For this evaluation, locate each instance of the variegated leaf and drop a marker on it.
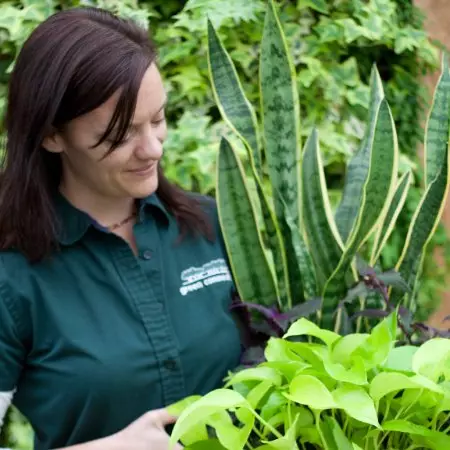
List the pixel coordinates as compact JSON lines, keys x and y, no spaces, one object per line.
{"x":230,"y":98}
{"x":251,"y":270}
{"x":436,"y":133}
{"x":395,"y":207}
{"x":322,"y":235}
{"x":280,"y":108}
{"x":358,"y":168}
{"x":423,"y":225}
{"x":383,"y":160}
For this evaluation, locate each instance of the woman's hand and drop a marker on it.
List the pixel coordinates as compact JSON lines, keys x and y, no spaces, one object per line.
{"x":146,"y":433}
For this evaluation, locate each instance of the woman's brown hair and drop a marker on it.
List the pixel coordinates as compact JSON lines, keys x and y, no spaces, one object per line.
{"x":71,"y":64}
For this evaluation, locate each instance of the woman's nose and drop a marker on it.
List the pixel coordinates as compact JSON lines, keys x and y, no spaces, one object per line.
{"x":150,"y":146}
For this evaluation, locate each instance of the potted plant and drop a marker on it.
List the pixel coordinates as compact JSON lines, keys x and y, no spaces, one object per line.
{"x":309,"y":282}
{"x":320,"y":390}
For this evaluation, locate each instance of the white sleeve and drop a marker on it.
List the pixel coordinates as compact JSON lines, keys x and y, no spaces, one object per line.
{"x":5,"y":403}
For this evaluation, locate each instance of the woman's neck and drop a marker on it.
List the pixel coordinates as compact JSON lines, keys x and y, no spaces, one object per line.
{"x":107,"y":211}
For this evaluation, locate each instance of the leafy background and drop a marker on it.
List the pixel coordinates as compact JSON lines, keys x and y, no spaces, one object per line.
{"x":334,"y":44}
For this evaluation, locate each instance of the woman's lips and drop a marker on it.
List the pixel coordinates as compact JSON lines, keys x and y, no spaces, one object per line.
{"x":143,"y":170}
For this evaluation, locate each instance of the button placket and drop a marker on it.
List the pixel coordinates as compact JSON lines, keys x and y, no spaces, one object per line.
{"x":147,"y":294}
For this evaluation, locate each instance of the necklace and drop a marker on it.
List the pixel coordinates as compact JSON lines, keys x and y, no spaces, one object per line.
{"x":122,"y":223}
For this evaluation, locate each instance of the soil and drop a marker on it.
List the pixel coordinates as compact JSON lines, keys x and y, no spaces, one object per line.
{"x":438,"y":27}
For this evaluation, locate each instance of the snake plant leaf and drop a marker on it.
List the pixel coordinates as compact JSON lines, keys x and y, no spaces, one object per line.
{"x":436,"y":133}
{"x":396,"y":206}
{"x":280,"y":118}
{"x":358,"y":168}
{"x":304,"y":260}
{"x":421,"y":230}
{"x":230,"y":98}
{"x":239,"y":114}
{"x":280,"y":115}
{"x":321,"y":232}
{"x":379,"y":186}
{"x":276,"y":245}
{"x":243,"y":242}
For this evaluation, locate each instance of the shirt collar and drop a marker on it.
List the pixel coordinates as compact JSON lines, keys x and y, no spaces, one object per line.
{"x":74,"y":223}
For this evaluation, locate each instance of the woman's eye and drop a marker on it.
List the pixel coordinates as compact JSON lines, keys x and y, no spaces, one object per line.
{"x":159,"y":121}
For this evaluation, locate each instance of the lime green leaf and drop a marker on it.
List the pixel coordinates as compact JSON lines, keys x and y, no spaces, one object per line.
{"x":279,"y":350}
{"x":286,"y":442}
{"x":437,"y":129}
{"x":400,"y":358}
{"x":215,"y":402}
{"x":207,"y":444}
{"x":287,"y":368}
{"x":355,"y":374}
{"x":177,"y":408}
{"x":333,"y":434}
{"x":254,"y":279}
{"x":321,"y":231}
{"x":436,"y":440}
{"x":230,"y":436}
{"x":432,"y":358}
{"x":386,"y":382}
{"x":257,"y":373}
{"x":280,"y":114}
{"x":356,"y":402}
{"x":198,"y":431}
{"x":376,"y":348}
{"x":308,"y":390}
{"x":272,"y":406}
{"x":305,"y":327}
{"x":235,"y":109}
{"x":346,"y":345}
{"x":255,"y":396}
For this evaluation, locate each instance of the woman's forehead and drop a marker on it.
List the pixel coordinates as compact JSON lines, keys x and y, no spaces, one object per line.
{"x":150,"y":100}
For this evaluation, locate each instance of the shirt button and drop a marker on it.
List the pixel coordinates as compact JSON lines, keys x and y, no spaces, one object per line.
{"x":147,"y":254}
{"x":170,"y":364}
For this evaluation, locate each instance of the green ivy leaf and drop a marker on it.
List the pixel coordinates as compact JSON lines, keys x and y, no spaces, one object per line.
{"x":316,"y":5}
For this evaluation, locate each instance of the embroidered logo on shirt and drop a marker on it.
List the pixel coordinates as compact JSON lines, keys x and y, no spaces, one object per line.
{"x":196,"y":278}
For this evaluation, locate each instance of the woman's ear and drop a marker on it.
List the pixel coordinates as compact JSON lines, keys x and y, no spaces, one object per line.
{"x":53,"y":143}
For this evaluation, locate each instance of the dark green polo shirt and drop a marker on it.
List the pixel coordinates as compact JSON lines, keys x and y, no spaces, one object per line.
{"x":94,"y":337}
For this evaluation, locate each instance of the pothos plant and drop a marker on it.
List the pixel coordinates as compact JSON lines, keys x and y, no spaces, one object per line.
{"x":320,"y":390}
{"x":286,"y":247}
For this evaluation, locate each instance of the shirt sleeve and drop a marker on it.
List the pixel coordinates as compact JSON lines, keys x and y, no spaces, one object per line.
{"x":12,"y":350}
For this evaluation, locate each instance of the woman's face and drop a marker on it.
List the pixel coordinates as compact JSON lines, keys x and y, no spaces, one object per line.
{"x":130,"y":170}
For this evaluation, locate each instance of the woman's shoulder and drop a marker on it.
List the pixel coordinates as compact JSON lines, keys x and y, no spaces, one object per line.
{"x":207,"y":202}
{"x":14,"y":276}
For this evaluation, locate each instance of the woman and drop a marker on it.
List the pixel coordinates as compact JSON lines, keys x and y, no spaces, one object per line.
{"x":114,"y":286}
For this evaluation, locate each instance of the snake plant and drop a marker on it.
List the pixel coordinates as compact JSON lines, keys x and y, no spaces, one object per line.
{"x":301,"y":249}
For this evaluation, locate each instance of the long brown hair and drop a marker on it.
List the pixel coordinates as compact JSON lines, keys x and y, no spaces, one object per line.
{"x":71,"y":64}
